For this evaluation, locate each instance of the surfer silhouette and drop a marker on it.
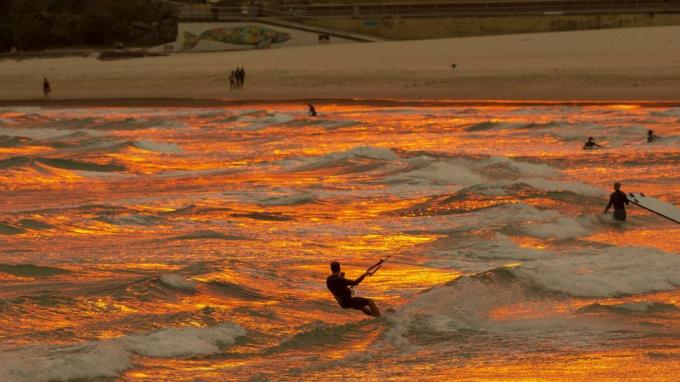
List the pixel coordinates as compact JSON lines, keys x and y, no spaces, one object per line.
{"x":651,"y":137}
{"x":590,"y":144}
{"x":618,"y":199}
{"x":312,"y":110}
{"x":339,"y":286}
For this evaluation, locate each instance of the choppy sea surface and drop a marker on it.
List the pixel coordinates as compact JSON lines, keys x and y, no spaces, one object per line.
{"x":192,"y":244}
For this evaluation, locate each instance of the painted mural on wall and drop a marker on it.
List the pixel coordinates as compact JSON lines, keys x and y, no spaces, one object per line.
{"x":258,"y":37}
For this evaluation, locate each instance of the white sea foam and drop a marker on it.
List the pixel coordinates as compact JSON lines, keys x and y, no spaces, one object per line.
{"x":177,"y":281}
{"x":500,"y":247}
{"x":181,"y":342}
{"x":468,"y":302}
{"x":167,"y":148}
{"x":526,"y":168}
{"x":556,"y":185}
{"x":606,"y":272}
{"x":257,"y":122}
{"x":378,"y":153}
{"x":47,"y":364}
{"x":37,"y":133}
{"x":463,"y":304}
{"x":109,"y":358}
{"x":564,"y":227}
{"x":441,"y":172}
{"x":288,"y":200}
{"x":359,"y":152}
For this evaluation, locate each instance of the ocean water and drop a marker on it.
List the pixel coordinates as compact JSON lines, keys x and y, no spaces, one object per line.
{"x":192,"y":244}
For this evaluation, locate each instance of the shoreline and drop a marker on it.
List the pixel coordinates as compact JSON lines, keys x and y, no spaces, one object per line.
{"x":377,"y":102}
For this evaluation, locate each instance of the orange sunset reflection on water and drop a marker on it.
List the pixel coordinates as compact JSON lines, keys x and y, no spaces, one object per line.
{"x":184,"y":244}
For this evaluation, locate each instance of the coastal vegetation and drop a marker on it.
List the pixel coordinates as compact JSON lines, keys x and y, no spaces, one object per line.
{"x":40,"y":24}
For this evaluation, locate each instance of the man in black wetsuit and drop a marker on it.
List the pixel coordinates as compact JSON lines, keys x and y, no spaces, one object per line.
{"x":618,"y":199}
{"x":339,"y":286}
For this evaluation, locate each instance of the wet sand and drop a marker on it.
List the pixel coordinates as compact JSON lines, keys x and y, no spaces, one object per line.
{"x":619,"y":64}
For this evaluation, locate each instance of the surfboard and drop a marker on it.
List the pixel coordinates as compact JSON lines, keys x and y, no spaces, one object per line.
{"x":656,"y":206}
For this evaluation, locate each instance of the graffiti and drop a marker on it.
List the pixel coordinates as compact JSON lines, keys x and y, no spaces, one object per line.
{"x":258,"y":37}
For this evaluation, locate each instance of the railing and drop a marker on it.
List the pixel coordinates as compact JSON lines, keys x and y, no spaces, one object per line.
{"x":452,"y":8}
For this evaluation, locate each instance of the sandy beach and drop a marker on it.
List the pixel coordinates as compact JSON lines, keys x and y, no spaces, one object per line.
{"x":620,"y":64}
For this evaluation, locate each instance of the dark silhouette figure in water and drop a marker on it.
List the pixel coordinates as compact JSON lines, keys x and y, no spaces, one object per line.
{"x":590,"y":144}
{"x":339,"y":286}
{"x":651,"y":137}
{"x":46,"y":88}
{"x":312,"y":110}
{"x":618,"y":199}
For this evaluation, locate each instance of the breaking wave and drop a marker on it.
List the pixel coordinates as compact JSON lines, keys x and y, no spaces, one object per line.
{"x":641,"y":307}
{"x":65,"y":164}
{"x":109,"y":358}
{"x":31,"y":270}
{"x":205,"y":235}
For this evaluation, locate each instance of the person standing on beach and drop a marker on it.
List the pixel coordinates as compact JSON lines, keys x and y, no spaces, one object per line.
{"x":232,"y":80}
{"x":618,"y":199}
{"x":46,"y":88}
{"x":242,"y":76}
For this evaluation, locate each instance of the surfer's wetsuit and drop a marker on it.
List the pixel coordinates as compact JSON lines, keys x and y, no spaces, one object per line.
{"x":617,"y":199}
{"x":339,"y":286}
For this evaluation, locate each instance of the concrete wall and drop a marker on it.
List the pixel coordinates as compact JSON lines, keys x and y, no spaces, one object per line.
{"x":295,"y":37}
{"x":406,"y":28}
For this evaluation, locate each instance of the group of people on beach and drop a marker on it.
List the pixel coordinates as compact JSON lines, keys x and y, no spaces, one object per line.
{"x":590,"y":143}
{"x":237,"y":78}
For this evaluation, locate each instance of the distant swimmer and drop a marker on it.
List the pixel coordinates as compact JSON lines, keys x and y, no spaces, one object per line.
{"x":46,"y":88}
{"x":651,"y":137}
{"x":618,"y":199}
{"x":339,"y":286}
{"x":590,"y":144}
{"x":312,"y":110}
